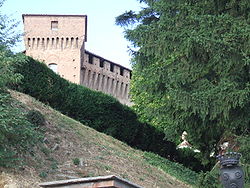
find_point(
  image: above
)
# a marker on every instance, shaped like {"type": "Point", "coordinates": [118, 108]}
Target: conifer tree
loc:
{"type": "Point", "coordinates": [191, 68]}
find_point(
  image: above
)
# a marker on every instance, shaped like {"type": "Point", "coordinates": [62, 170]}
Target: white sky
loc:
{"type": "Point", "coordinates": [104, 38]}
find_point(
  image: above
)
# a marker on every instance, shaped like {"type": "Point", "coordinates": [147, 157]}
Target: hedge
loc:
{"type": "Point", "coordinates": [94, 109]}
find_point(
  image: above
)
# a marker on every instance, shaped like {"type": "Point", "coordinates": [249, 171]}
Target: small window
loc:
{"type": "Point", "coordinates": [90, 59]}
{"type": "Point", "coordinates": [29, 42]}
{"type": "Point", "coordinates": [54, 25]}
{"type": "Point", "coordinates": [111, 67]}
{"type": "Point", "coordinates": [53, 67]}
{"type": "Point", "coordinates": [101, 62]}
{"type": "Point", "coordinates": [121, 71]}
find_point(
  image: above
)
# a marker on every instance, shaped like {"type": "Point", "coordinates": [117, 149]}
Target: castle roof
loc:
{"type": "Point", "coordinates": [63, 15]}
{"type": "Point", "coordinates": [99, 57]}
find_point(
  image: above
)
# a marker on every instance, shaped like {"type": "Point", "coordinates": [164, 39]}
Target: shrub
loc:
{"type": "Point", "coordinates": [189, 158]}
{"type": "Point", "coordinates": [209, 179]}
{"type": "Point", "coordinates": [245, 159]}
{"type": "Point", "coordinates": [76, 161]}
{"type": "Point", "coordinates": [36, 118]}
{"type": "Point", "coordinates": [172, 168]}
{"type": "Point", "coordinates": [16, 132]}
{"type": "Point", "coordinates": [43, 174]}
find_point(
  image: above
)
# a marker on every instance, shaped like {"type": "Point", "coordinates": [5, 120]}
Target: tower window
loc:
{"type": "Point", "coordinates": [111, 67]}
{"type": "Point", "coordinates": [101, 62]}
{"type": "Point", "coordinates": [54, 25]}
{"type": "Point", "coordinates": [90, 59]}
{"type": "Point", "coordinates": [121, 71]}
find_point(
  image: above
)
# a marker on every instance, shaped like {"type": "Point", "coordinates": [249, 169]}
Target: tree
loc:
{"type": "Point", "coordinates": [7, 75]}
{"type": "Point", "coordinates": [16, 132]}
{"type": "Point", "coordinates": [8, 38]}
{"type": "Point", "coordinates": [191, 68]}
{"type": "Point", "coordinates": [8, 34]}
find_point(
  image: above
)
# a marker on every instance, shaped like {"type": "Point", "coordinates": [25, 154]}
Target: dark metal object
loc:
{"type": "Point", "coordinates": [231, 174]}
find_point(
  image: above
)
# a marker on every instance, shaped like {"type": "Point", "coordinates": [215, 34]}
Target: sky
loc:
{"type": "Point", "coordinates": [104, 38]}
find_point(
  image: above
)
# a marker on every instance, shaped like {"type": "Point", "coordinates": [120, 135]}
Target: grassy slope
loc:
{"type": "Point", "coordinates": [99, 154]}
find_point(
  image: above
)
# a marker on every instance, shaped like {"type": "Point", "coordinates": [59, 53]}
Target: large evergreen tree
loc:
{"type": "Point", "coordinates": [191, 67]}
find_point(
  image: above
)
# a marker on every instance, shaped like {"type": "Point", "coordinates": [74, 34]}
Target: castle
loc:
{"type": "Point", "coordinates": [59, 41]}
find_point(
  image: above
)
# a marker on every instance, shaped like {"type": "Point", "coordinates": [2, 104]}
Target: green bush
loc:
{"type": "Point", "coordinates": [209, 179]}
{"type": "Point", "coordinates": [36, 118]}
{"type": "Point", "coordinates": [76, 161]}
{"type": "Point", "coordinates": [175, 169]}
{"type": "Point", "coordinates": [244, 142]}
{"type": "Point", "coordinates": [16, 132]}
{"type": "Point", "coordinates": [245, 159]}
{"type": "Point", "coordinates": [95, 109]}
{"type": "Point", "coordinates": [189, 158]}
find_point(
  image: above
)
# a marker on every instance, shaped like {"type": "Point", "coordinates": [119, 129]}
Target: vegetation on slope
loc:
{"type": "Point", "coordinates": [44, 145]}
{"type": "Point", "coordinates": [17, 133]}
{"type": "Point", "coordinates": [70, 149]}
{"type": "Point", "coordinates": [95, 109]}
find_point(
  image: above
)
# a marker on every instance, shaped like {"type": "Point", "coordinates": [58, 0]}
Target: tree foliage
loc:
{"type": "Point", "coordinates": [8, 34]}
{"type": "Point", "coordinates": [191, 67]}
{"type": "Point", "coordinates": [16, 132]}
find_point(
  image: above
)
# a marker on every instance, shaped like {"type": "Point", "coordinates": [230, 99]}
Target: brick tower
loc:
{"type": "Point", "coordinates": [58, 40]}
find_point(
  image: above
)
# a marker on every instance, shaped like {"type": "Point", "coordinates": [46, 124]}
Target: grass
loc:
{"type": "Point", "coordinates": [174, 169]}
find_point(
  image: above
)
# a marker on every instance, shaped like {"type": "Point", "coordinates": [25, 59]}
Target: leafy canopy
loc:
{"type": "Point", "coordinates": [191, 67]}
{"type": "Point", "coordinates": [8, 34]}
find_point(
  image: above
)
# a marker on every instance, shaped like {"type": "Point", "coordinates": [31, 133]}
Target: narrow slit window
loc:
{"type": "Point", "coordinates": [121, 71]}
{"type": "Point", "coordinates": [54, 25]}
{"type": "Point", "coordinates": [29, 43]}
{"type": "Point", "coordinates": [111, 67]}
{"type": "Point", "coordinates": [101, 62]}
{"type": "Point", "coordinates": [71, 42]}
{"type": "Point", "coordinates": [43, 43]}
{"type": "Point", "coordinates": [90, 59]}
{"type": "Point", "coordinates": [67, 42]}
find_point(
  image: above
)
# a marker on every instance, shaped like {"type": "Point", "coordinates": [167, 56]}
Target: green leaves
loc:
{"type": "Point", "coordinates": [7, 75]}
{"type": "Point", "coordinates": [8, 34]}
{"type": "Point", "coordinates": [16, 132]}
{"type": "Point", "coordinates": [191, 69]}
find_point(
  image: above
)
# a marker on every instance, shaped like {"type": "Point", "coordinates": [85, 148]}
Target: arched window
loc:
{"type": "Point", "coordinates": [53, 67]}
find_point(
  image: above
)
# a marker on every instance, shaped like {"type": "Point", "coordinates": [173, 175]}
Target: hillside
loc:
{"type": "Point", "coordinates": [95, 154]}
